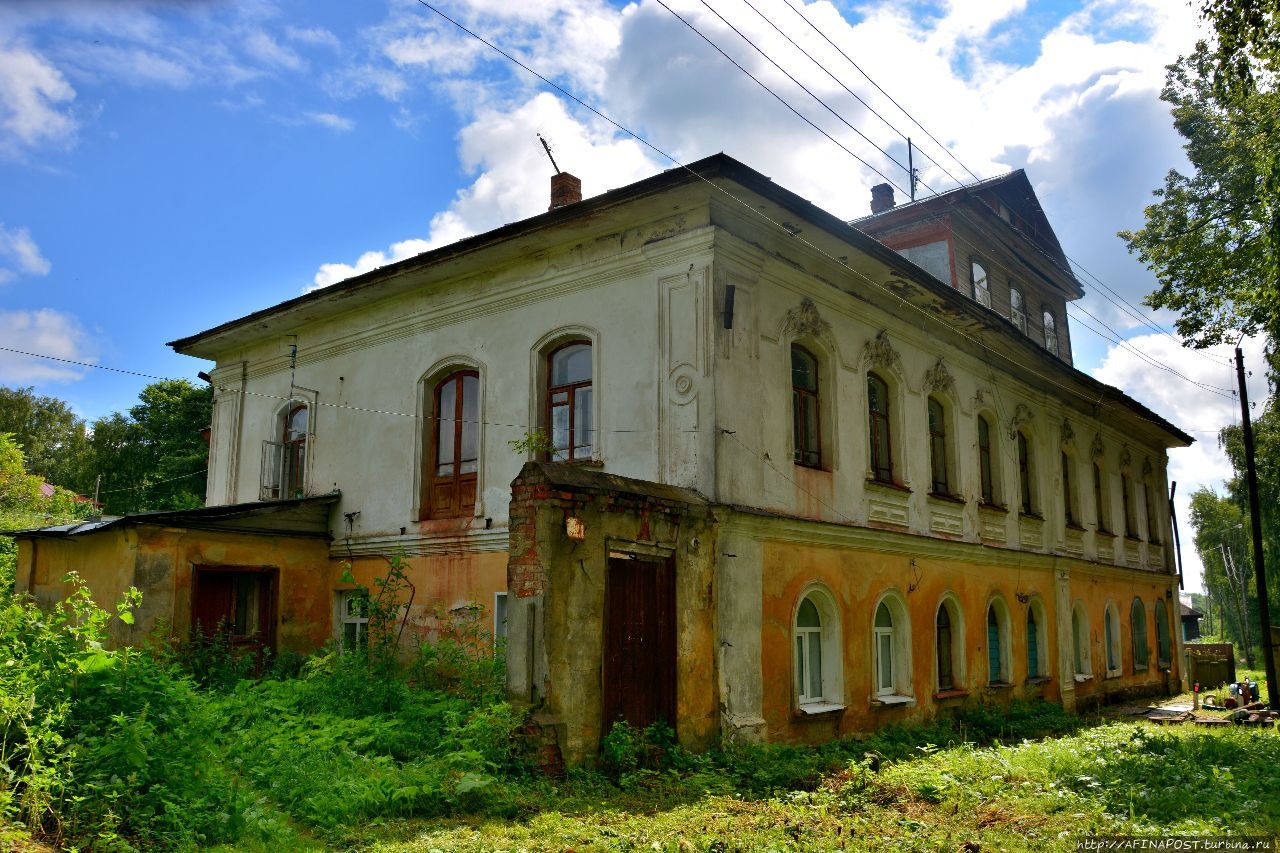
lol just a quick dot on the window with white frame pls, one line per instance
(891, 650)
(353, 620)
(981, 283)
(1017, 309)
(1111, 637)
(499, 617)
(1050, 332)
(1080, 642)
(1138, 626)
(998, 643)
(818, 671)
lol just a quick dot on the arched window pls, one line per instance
(1080, 641)
(294, 475)
(1111, 632)
(878, 429)
(1138, 625)
(885, 657)
(1126, 497)
(1069, 513)
(997, 643)
(1017, 309)
(569, 401)
(805, 408)
(1037, 650)
(1099, 498)
(818, 673)
(1050, 332)
(984, 461)
(1026, 468)
(938, 448)
(981, 284)
(1164, 650)
(949, 644)
(454, 447)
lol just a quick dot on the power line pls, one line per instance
(1098, 401)
(84, 363)
(779, 98)
(960, 211)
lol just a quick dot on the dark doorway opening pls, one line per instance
(236, 603)
(640, 642)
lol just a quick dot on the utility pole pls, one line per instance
(1255, 519)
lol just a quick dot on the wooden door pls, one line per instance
(640, 643)
(239, 603)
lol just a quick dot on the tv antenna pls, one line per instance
(547, 148)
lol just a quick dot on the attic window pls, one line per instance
(1017, 309)
(1050, 332)
(981, 284)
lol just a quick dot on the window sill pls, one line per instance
(1081, 677)
(1071, 525)
(820, 468)
(1138, 669)
(817, 710)
(1040, 679)
(943, 496)
(1112, 673)
(999, 685)
(889, 700)
(882, 484)
(1102, 531)
(993, 508)
(1129, 537)
(952, 693)
(583, 463)
(1032, 516)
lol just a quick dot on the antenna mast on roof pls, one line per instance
(912, 171)
(547, 148)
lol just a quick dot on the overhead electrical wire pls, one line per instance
(960, 211)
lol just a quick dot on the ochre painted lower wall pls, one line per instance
(858, 579)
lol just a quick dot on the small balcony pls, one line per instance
(283, 470)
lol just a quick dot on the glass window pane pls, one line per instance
(470, 423)
(811, 424)
(446, 412)
(571, 364)
(807, 617)
(886, 661)
(800, 675)
(583, 430)
(560, 429)
(877, 394)
(804, 370)
(993, 646)
(297, 427)
(815, 664)
(883, 617)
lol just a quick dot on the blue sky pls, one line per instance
(170, 165)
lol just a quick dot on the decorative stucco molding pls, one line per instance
(1097, 450)
(1147, 468)
(1021, 415)
(1126, 457)
(938, 379)
(879, 352)
(1068, 434)
(804, 321)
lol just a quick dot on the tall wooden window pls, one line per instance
(984, 461)
(1153, 516)
(1050, 332)
(1080, 642)
(295, 451)
(981, 284)
(995, 647)
(1068, 493)
(938, 448)
(878, 429)
(946, 669)
(569, 402)
(1163, 640)
(455, 447)
(1126, 497)
(1017, 309)
(884, 650)
(1099, 502)
(1025, 470)
(805, 406)
(1138, 625)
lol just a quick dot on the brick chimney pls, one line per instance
(565, 189)
(882, 198)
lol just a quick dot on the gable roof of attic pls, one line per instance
(1013, 189)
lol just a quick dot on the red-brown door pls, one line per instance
(237, 602)
(640, 643)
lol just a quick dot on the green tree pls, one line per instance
(50, 434)
(1220, 525)
(1213, 236)
(154, 457)
(25, 504)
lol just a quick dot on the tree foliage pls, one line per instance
(1212, 237)
(25, 504)
(52, 436)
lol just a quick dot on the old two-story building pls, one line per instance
(700, 451)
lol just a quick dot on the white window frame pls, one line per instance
(342, 617)
(981, 294)
(1018, 312)
(899, 690)
(829, 633)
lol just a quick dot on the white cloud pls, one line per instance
(265, 49)
(317, 36)
(331, 121)
(33, 102)
(47, 332)
(19, 254)
(1199, 411)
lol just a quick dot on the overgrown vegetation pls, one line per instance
(182, 746)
